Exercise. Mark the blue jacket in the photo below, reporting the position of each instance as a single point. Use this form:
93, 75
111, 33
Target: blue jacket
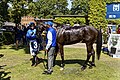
51, 38
31, 34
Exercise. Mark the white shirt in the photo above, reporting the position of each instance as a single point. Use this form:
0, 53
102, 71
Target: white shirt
49, 37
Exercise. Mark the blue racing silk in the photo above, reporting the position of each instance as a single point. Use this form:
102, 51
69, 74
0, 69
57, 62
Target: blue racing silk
31, 34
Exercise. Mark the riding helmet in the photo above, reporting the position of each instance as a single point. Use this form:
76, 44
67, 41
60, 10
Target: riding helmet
32, 24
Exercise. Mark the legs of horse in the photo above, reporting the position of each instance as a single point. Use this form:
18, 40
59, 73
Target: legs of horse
55, 55
93, 58
62, 55
89, 53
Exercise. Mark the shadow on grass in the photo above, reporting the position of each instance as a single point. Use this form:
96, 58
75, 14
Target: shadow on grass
58, 62
3, 74
1, 55
19, 47
2, 47
24, 47
70, 61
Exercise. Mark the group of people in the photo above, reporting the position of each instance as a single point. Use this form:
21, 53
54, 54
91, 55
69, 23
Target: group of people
20, 35
32, 39
29, 35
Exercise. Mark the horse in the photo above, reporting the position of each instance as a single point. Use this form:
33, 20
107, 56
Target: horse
70, 35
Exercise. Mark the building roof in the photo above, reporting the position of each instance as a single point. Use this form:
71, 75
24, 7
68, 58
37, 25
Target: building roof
37, 19
9, 24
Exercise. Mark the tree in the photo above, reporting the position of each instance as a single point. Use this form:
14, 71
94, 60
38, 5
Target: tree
80, 7
61, 7
18, 10
48, 8
94, 9
97, 13
3, 10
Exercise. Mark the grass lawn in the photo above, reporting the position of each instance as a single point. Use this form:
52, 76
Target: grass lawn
16, 65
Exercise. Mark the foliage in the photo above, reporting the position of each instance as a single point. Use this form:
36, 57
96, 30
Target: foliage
114, 21
80, 7
18, 10
4, 10
8, 37
46, 9
97, 13
70, 21
1, 21
1, 39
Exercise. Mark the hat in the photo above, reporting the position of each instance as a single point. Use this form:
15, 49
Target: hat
32, 24
49, 23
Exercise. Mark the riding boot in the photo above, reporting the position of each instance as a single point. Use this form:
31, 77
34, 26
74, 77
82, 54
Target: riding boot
36, 61
33, 61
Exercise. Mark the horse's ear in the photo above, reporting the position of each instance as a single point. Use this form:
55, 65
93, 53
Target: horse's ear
57, 25
42, 24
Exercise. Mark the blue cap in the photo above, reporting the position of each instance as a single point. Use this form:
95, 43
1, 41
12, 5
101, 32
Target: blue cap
31, 23
49, 23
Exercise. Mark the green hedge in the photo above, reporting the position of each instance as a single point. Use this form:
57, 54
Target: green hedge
71, 21
8, 38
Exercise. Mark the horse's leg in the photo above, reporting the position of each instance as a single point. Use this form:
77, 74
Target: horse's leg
55, 55
62, 56
93, 58
89, 53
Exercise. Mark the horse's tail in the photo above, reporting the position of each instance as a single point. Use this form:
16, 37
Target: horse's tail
99, 44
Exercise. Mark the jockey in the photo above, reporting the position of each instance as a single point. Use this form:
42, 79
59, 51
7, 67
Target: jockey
32, 38
31, 33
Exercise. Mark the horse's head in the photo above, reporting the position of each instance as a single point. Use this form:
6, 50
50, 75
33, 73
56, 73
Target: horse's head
42, 27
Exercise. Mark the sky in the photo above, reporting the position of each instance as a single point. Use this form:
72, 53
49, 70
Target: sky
69, 4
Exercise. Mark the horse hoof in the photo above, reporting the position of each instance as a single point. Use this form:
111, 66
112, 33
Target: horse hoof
83, 68
61, 69
62, 65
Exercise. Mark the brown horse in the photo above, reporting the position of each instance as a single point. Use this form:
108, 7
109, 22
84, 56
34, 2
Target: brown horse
87, 34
